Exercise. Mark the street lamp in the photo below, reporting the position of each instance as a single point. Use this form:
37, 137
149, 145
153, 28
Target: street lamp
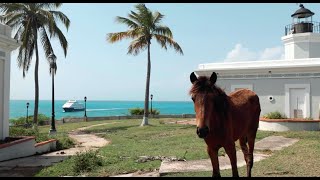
27, 113
85, 108
151, 96
53, 68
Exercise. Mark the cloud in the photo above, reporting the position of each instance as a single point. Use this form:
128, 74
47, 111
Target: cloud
240, 53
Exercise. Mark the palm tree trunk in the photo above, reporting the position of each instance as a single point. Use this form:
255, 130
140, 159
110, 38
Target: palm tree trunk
146, 98
36, 82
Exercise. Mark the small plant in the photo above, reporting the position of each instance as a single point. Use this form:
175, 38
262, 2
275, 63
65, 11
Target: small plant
86, 162
161, 121
64, 143
20, 131
140, 111
136, 111
274, 115
22, 120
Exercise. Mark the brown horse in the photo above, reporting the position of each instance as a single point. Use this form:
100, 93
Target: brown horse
223, 119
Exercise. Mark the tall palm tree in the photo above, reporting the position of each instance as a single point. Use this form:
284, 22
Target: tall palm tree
33, 22
143, 26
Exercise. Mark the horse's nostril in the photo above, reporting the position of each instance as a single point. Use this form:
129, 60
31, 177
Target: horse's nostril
203, 132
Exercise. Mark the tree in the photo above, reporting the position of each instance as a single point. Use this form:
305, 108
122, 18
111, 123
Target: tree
33, 22
143, 26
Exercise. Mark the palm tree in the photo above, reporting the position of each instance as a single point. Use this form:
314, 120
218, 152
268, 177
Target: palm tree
143, 26
33, 22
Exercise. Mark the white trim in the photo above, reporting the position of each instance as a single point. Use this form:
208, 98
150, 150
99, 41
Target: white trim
287, 88
245, 86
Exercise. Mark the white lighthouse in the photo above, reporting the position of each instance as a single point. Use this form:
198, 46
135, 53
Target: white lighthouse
302, 37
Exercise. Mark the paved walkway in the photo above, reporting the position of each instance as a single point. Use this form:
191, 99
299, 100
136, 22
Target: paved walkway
28, 166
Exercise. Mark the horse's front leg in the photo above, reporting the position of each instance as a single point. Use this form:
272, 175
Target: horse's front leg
213, 153
231, 151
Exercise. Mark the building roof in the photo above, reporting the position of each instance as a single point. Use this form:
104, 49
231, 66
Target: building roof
302, 12
261, 67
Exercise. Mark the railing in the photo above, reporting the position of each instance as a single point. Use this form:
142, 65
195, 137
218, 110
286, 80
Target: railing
307, 26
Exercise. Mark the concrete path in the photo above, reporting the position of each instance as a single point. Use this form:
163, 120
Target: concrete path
28, 166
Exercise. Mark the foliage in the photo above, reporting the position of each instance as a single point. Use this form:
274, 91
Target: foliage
33, 23
144, 25
86, 162
64, 142
21, 131
140, 111
22, 120
275, 115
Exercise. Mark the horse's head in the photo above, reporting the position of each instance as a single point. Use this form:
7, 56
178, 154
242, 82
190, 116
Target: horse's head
207, 99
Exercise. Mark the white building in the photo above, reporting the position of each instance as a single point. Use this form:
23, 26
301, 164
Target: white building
292, 85
7, 44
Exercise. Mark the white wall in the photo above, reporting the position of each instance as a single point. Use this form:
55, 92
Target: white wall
276, 87
301, 45
7, 44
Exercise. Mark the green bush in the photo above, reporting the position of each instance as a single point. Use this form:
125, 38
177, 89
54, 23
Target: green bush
86, 162
64, 143
140, 111
21, 131
22, 120
274, 115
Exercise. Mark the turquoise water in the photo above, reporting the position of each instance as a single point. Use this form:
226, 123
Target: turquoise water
18, 108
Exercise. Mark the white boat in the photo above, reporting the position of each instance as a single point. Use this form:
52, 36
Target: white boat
73, 105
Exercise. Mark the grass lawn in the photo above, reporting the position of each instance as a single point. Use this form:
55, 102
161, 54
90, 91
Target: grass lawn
130, 141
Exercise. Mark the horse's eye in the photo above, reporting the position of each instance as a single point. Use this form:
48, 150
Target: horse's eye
192, 99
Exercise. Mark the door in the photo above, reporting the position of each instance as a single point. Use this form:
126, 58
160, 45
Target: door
298, 102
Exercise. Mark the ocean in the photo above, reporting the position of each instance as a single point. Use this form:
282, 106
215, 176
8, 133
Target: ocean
18, 108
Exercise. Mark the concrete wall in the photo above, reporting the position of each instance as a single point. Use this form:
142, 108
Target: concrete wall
81, 119
20, 148
46, 146
276, 87
289, 126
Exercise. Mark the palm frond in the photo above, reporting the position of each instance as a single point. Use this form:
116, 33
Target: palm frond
164, 41
137, 45
46, 44
157, 17
127, 22
61, 17
163, 30
114, 37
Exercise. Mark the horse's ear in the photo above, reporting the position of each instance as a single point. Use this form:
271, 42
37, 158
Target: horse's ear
213, 78
193, 77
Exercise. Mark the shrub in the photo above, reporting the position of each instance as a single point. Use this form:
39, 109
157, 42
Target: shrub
87, 161
64, 143
21, 131
274, 115
22, 120
140, 111
136, 111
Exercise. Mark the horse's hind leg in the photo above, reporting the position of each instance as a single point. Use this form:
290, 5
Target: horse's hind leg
244, 148
251, 140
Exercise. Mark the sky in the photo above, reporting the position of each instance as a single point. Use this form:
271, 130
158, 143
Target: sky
206, 32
